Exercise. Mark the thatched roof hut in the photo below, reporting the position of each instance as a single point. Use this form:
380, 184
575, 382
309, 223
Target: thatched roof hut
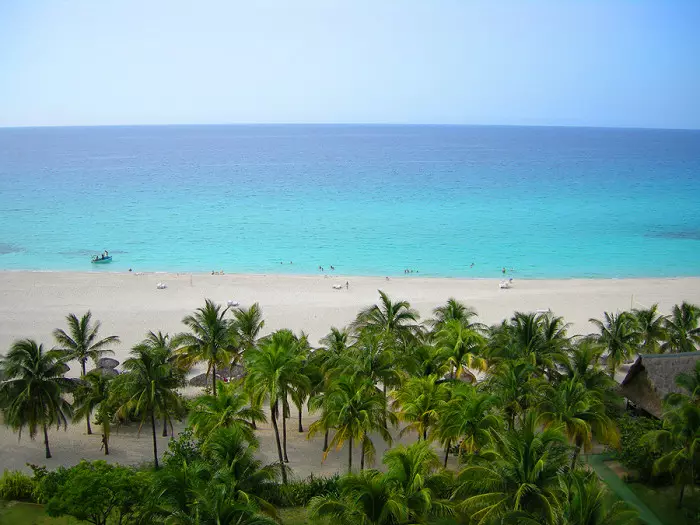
107, 371
652, 377
237, 372
107, 362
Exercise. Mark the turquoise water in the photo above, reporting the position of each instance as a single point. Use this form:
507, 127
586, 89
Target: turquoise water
370, 200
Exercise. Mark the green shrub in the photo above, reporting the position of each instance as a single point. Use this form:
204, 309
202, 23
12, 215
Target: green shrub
16, 485
299, 493
632, 453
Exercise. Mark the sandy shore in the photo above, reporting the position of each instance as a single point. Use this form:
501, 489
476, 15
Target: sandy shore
32, 304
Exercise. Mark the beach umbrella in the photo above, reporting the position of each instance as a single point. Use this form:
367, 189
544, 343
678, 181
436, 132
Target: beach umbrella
107, 371
107, 362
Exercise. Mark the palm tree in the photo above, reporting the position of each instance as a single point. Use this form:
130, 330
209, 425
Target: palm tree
580, 413
583, 363
518, 478
248, 323
679, 441
462, 346
147, 387
337, 341
81, 343
690, 382
93, 394
368, 498
353, 408
228, 409
426, 360
161, 342
396, 320
415, 472
618, 336
516, 386
588, 502
211, 338
270, 371
650, 325
31, 394
469, 419
683, 332
453, 310
420, 401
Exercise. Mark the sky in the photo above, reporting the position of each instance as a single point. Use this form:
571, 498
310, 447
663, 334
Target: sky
620, 63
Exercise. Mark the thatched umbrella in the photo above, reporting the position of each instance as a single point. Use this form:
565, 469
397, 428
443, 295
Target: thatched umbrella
107, 371
107, 362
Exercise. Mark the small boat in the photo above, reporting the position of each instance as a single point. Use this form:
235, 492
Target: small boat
100, 259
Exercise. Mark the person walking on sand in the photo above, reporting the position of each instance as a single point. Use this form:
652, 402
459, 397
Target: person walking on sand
347, 285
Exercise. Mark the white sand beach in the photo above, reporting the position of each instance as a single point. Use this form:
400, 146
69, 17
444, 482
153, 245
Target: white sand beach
32, 304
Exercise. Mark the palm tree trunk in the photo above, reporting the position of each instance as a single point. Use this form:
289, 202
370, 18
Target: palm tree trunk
350, 456
301, 427
87, 419
165, 426
105, 438
325, 440
362, 454
680, 499
46, 442
213, 378
155, 439
284, 432
273, 410
425, 434
447, 452
385, 402
577, 451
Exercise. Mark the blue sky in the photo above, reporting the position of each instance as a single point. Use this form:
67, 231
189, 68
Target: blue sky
627, 63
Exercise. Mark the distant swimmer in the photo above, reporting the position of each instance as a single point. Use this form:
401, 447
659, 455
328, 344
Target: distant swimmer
471, 265
332, 267
504, 270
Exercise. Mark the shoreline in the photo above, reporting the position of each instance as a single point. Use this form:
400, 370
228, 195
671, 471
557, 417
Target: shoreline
508, 275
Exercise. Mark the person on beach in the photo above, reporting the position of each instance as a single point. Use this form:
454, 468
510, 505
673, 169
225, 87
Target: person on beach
347, 285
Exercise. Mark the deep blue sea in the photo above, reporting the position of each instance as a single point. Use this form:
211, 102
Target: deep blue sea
369, 200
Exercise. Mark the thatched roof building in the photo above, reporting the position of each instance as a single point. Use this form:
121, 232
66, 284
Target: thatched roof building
652, 377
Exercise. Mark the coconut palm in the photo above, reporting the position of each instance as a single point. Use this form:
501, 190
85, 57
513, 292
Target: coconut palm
583, 363
161, 342
517, 478
690, 383
353, 408
396, 320
679, 441
368, 498
228, 409
516, 385
683, 332
425, 360
589, 502
147, 387
618, 336
650, 325
580, 413
453, 310
31, 393
212, 338
462, 345
271, 368
81, 342
415, 470
248, 323
93, 395
337, 341
419, 402
468, 419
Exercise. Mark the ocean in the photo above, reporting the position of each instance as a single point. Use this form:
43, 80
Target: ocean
448, 201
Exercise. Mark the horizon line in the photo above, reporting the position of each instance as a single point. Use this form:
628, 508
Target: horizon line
348, 124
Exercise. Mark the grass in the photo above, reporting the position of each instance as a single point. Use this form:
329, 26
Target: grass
16, 513
663, 502
294, 516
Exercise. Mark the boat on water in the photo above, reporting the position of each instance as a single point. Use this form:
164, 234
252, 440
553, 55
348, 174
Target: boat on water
101, 259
